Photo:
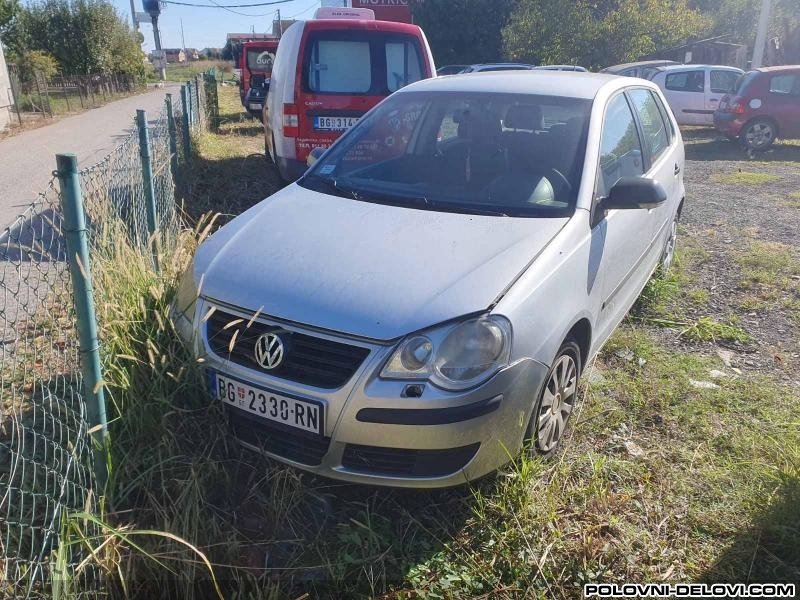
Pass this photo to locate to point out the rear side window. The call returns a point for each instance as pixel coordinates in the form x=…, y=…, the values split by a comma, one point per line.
x=260, y=60
x=723, y=82
x=787, y=85
x=620, y=149
x=402, y=64
x=686, y=81
x=360, y=63
x=653, y=129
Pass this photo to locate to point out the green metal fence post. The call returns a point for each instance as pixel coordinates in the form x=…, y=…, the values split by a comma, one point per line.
x=190, y=103
x=187, y=138
x=81, y=275
x=173, y=139
x=147, y=180
x=197, y=84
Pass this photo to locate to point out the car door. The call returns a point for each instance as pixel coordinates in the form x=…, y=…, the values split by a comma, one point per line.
x=720, y=82
x=685, y=93
x=626, y=233
x=783, y=103
x=663, y=165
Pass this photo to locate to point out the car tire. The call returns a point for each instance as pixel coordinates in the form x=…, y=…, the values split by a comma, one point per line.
x=556, y=402
x=758, y=134
x=668, y=253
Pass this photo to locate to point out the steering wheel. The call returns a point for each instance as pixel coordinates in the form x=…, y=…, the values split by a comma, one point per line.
x=562, y=182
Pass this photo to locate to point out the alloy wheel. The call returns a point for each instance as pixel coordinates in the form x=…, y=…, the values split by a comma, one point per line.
x=759, y=135
x=669, y=248
x=558, y=400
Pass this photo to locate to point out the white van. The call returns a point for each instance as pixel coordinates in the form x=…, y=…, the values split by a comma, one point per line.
x=694, y=91
x=330, y=71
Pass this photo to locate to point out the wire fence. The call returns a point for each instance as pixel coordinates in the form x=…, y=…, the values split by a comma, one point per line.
x=50, y=467
x=31, y=94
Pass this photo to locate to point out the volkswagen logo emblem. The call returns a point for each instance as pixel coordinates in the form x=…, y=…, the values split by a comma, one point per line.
x=269, y=350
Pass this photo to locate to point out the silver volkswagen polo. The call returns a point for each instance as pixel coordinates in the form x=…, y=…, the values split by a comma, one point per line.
x=418, y=307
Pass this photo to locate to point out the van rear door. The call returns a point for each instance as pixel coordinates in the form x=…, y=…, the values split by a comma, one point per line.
x=345, y=72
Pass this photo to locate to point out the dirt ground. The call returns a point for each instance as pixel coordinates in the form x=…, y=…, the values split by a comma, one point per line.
x=741, y=227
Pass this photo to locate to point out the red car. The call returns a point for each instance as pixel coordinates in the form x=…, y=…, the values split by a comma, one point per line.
x=765, y=106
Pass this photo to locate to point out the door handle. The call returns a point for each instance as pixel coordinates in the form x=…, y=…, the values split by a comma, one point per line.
x=677, y=169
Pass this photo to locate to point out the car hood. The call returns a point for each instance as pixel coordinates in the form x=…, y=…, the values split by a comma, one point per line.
x=365, y=269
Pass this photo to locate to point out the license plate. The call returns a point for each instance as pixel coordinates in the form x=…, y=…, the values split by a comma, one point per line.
x=334, y=123
x=256, y=106
x=294, y=412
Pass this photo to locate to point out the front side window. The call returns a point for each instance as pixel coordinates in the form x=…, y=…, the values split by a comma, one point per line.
x=787, y=85
x=723, y=82
x=360, y=63
x=620, y=149
x=653, y=129
x=686, y=81
x=479, y=153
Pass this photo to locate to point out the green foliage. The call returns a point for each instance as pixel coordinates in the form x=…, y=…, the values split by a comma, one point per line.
x=8, y=10
x=84, y=36
x=36, y=61
x=597, y=34
x=738, y=18
x=464, y=31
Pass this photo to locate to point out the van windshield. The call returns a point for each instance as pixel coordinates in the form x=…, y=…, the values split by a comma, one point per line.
x=479, y=153
x=360, y=63
x=260, y=60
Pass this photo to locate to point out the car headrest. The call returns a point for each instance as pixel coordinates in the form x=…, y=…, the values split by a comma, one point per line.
x=523, y=116
x=478, y=126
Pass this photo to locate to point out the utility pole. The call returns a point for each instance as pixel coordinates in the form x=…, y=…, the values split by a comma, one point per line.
x=183, y=41
x=133, y=17
x=761, y=35
x=280, y=24
x=157, y=39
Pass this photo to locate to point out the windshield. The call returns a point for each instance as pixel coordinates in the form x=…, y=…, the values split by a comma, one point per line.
x=260, y=60
x=480, y=153
x=743, y=81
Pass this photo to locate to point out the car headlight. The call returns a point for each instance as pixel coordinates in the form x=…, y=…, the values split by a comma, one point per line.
x=454, y=357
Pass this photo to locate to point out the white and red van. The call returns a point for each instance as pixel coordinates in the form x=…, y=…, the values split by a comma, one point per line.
x=331, y=70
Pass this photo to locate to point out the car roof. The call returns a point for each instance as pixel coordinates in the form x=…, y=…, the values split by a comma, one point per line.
x=373, y=25
x=501, y=64
x=778, y=68
x=683, y=67
x=568, y=84
x=641, y=63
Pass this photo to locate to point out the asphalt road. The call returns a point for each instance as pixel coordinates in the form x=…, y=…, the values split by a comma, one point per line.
x=27, y=159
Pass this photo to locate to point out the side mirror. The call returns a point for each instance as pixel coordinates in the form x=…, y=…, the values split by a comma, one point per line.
x=314, y=155
x=635, y=192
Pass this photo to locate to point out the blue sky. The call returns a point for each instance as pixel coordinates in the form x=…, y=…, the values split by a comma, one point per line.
x=207, y=27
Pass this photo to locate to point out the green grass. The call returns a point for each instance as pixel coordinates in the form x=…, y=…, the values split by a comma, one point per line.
x=745, y=178
x=182, y=72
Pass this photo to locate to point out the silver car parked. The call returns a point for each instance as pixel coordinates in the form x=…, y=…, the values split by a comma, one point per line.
x=419, y=306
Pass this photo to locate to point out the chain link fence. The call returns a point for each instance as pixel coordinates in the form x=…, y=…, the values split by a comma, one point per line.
x=49, y=466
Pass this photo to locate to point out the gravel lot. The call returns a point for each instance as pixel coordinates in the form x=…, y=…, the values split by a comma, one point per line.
x=735, y=204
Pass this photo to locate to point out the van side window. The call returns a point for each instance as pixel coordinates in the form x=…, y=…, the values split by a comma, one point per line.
x=340, y=66
x=402, y=64
x=686, y=81
x=723, y=82
x=653, y=130
x=620, y=148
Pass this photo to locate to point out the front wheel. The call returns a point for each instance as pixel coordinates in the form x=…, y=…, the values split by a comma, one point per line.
x=556, y=401
x=759, y=134
x=668, y=253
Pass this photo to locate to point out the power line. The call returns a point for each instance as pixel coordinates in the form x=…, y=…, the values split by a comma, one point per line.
x=313, y=5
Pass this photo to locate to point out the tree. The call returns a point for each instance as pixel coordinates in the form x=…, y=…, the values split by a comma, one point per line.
x=464, y=31
x=598, y=33
x=8, y=10
x=737, y=19
x=84, y=36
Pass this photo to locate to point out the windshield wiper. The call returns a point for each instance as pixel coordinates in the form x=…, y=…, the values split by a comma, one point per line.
x=335, y=188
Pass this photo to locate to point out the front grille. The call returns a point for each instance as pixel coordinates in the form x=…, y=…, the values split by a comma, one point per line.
x=405, y=462
x=298, y=446
x=307, y=359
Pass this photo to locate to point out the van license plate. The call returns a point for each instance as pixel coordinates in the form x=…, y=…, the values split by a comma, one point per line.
x=293, y=412
x=334, y=123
